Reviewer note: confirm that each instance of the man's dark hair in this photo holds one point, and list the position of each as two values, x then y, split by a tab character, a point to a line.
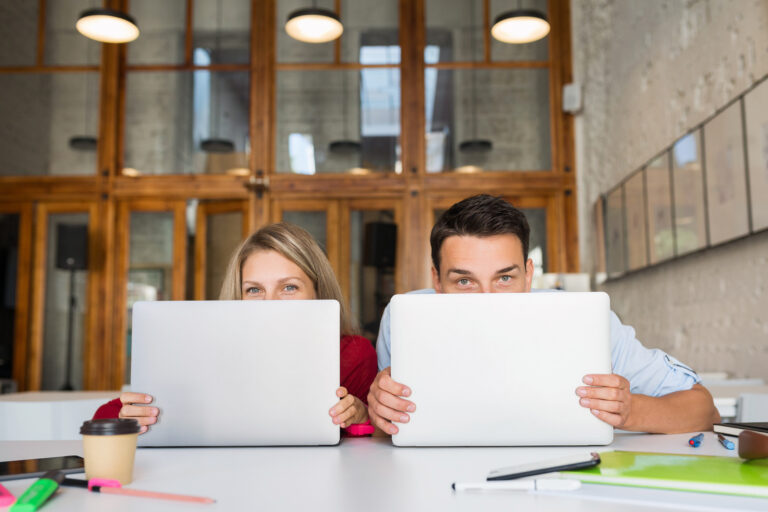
481	215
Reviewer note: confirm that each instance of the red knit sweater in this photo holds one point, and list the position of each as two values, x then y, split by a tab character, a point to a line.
358	369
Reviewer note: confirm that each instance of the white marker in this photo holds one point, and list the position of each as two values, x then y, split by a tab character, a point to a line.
541	484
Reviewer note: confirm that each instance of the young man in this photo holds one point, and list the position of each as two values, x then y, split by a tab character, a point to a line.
480	245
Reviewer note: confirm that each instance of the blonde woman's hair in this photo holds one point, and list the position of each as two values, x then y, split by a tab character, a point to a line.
295	244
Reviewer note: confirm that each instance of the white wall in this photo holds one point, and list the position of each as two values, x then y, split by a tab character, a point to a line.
651	70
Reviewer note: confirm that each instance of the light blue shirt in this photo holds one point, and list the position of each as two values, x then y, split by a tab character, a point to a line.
650	372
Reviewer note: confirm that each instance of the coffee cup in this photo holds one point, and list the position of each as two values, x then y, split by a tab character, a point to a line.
109	447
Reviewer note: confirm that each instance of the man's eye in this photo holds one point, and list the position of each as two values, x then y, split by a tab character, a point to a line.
505	279
463	281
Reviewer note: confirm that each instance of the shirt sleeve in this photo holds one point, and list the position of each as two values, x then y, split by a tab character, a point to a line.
110	409
650	372
383	350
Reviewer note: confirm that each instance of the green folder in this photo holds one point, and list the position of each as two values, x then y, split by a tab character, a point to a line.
699	473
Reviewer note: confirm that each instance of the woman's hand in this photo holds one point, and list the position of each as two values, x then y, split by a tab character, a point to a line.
144	415
349	410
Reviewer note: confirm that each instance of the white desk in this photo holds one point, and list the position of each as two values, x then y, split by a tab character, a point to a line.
366	475
48	415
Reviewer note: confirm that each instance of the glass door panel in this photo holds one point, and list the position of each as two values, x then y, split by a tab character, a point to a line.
66	301
373	248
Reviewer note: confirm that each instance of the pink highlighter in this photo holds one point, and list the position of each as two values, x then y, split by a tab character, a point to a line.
6	498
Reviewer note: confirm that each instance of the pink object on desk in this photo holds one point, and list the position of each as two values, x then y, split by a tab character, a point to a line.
360	429
102	482
6	498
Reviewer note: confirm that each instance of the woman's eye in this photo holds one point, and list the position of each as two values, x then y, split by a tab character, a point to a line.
252	290
291	287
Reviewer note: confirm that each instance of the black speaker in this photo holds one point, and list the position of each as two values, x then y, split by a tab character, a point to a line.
72	246
380	244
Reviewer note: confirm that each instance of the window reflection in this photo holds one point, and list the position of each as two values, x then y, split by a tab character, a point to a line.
222	29
690	224
487	119
45	117
187	122
338	121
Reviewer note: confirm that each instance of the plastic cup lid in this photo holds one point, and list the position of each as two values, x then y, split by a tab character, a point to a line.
110	427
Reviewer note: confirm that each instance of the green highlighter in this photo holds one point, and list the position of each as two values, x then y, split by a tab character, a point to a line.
37	493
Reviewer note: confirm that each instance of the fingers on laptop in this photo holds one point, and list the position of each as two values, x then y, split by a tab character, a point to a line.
606	380
386	383
135	398
144	415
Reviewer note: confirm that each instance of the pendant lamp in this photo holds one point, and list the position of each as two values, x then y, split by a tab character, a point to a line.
217	144
107	26
345	145
520	26
314	25
474	144
85	142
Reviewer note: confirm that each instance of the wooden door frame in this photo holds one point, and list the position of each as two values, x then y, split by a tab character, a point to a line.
204	209
35	346
122	245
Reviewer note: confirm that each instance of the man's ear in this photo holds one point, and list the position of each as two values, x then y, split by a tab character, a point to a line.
528	274
436	280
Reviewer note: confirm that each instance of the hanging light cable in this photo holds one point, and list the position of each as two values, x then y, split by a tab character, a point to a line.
107	26
520	26
314	25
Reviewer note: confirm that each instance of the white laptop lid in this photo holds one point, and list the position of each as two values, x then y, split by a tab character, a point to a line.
499	369
238	373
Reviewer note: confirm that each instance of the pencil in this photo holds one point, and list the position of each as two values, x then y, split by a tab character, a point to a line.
150	494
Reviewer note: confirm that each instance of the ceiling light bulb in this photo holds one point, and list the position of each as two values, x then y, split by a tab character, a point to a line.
314	25
520	26
107	26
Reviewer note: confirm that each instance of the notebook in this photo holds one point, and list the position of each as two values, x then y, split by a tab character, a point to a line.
700	473
238	373
499	369
734	429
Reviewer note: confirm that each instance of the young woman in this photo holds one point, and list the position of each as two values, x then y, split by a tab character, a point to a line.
283	262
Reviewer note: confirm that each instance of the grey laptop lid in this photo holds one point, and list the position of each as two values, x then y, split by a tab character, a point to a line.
238	373
499	369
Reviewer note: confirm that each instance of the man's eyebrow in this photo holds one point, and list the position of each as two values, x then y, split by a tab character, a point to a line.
508	269
459	271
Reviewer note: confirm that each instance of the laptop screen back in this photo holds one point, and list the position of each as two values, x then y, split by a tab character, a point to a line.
238	373
499	369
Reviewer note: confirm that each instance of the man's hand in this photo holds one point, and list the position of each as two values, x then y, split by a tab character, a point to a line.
384	404
349	410
608	397
144	415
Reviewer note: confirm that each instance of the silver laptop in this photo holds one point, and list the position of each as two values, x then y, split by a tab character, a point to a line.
499	369
238	373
